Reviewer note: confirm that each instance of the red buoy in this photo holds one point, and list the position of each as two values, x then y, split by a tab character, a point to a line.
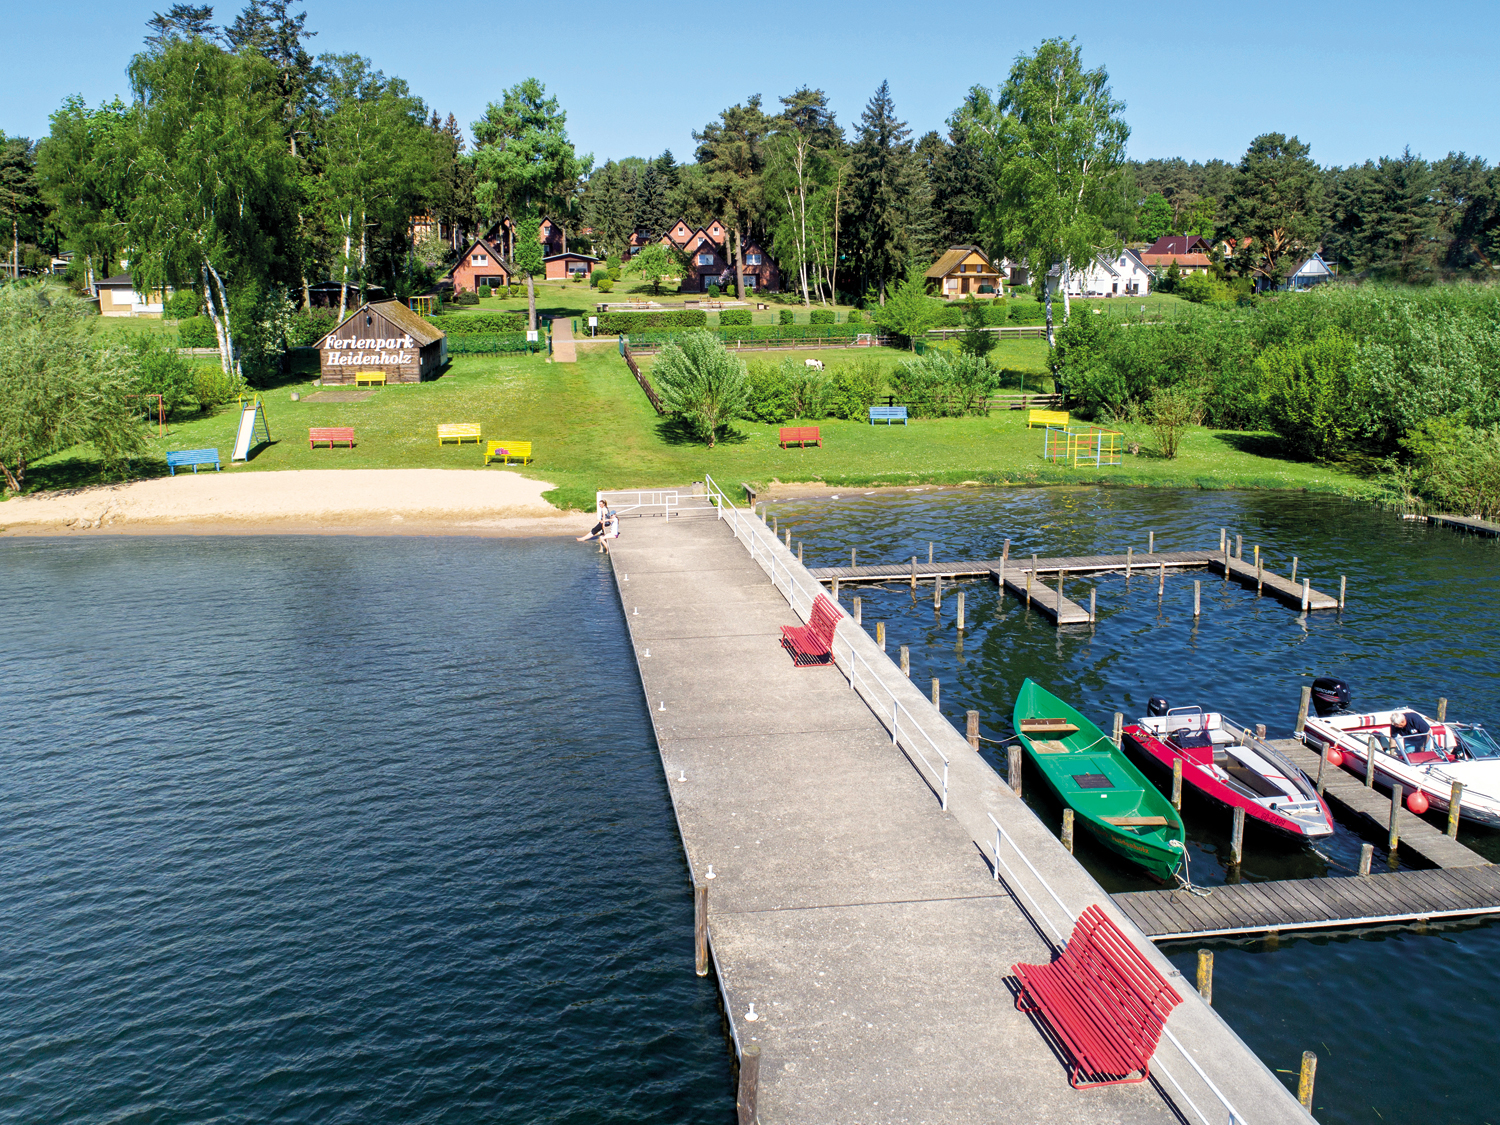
1417	802
1335	757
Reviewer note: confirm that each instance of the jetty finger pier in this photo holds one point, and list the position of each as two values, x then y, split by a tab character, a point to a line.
863	879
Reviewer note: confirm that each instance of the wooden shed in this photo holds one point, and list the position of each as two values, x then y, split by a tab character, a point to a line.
383	336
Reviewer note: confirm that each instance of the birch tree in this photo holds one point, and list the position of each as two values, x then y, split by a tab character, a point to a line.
1054	143
800	163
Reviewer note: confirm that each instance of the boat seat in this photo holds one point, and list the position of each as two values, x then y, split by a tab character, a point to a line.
1253	781
1421	757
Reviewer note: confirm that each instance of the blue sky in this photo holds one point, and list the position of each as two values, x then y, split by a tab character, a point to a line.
1355	80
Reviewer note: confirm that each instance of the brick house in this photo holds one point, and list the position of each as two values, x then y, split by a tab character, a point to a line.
480	264
1189	251
710	257
569	264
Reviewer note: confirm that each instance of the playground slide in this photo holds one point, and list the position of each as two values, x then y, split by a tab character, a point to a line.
247	433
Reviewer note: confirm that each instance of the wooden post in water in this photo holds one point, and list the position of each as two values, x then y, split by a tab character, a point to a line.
1004	556
1455	801
1370	763
1028	589
1366	853
749	1092
1322	762
914	575
852	552
1226	561
1306	593
1093	605
1442	711
835	588
700	927
937	592
1259	572
936	691
1067	830
880	634
1161	579
1305	1080
929	551
1150	542
1302	706
1206	975
971	729
855	600
1177	784
1343	588
799	550
1237	837
1223	536
1396	795
1260	730
960	611
1294	568
906	661
1239	547
1119	731
788	539
1129	552
1014	774
775	526
1197	600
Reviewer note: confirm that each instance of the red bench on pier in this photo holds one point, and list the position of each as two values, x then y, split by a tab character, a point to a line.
800	435
1103	1000
811	645
330	434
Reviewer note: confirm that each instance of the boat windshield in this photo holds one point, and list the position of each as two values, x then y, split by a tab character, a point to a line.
1477	741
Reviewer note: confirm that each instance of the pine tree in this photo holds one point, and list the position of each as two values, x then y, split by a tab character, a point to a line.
881	187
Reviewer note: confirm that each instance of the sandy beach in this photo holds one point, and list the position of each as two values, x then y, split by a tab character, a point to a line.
320	501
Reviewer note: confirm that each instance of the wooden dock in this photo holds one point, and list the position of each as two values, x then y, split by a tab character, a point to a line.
1314	904
1471	524
1372	809
982	568
1278	587
1042	597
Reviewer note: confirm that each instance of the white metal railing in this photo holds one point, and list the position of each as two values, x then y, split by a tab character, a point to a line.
643	499
752	531
1012	881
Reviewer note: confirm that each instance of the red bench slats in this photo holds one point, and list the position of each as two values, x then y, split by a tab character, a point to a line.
1103	1000
800	435
330	434
811	645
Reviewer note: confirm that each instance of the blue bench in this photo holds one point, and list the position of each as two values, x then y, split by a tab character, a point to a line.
182	458
887	414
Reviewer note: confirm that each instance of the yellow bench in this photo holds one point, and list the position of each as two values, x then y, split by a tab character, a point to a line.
1046	418
496	450
459	432
369	378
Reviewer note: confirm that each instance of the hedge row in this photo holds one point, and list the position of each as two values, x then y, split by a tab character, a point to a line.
491	343
841	333
617	323
735	318
476	324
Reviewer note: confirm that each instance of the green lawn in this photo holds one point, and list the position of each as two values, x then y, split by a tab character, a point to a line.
591	428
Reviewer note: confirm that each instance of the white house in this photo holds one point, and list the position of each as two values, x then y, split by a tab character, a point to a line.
1309	273
119	297
1123	275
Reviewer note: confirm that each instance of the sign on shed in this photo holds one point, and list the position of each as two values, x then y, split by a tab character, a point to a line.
383	336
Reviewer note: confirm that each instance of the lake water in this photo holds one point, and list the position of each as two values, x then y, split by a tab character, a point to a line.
1402	1020
337	830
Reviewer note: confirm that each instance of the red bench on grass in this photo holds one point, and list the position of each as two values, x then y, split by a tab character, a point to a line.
800	435
811	645
1103	1000
330	434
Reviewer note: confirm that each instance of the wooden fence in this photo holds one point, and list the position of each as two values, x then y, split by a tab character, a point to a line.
640	376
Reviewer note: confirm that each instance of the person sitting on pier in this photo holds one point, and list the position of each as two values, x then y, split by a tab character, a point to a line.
1412	729
605	514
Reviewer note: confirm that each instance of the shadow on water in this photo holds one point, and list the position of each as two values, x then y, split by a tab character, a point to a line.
1423	621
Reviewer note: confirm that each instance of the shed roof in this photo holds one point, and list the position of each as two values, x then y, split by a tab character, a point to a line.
953	256
572	254
1197	260
1179	244
399	315
119	280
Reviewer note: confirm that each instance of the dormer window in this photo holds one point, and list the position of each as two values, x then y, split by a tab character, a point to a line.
705	259
752	259
480	259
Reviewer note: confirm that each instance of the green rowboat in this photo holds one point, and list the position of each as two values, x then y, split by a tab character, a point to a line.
1093	777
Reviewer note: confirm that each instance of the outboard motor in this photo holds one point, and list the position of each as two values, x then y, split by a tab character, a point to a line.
1156	705
1329	696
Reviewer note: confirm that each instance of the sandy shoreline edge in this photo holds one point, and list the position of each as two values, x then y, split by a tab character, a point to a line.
472	502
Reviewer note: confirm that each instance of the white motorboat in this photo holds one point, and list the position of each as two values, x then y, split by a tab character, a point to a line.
1426	761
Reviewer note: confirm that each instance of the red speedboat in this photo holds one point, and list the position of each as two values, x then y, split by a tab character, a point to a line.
1230	766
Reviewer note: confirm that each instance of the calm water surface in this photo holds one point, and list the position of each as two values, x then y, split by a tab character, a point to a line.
337	830
1403	1020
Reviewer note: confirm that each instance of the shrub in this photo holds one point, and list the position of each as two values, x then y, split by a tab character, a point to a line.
702	383
490	343
713	289
212	387
825	316
1313	395
596	275
606	283
1169	412
769	397
181	305
157	369
854	317
308	326
1026	312
616	323
852	389
732	318
483	292
578	279
941	384
469	324
786	316
197	332
466	297
1455	467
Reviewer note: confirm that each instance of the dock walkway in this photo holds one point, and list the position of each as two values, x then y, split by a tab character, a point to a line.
1466	523
984	568
855	918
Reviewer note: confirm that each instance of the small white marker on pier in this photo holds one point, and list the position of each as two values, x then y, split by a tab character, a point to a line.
663	706
636	612
750	1016
681	775
646	655
710	874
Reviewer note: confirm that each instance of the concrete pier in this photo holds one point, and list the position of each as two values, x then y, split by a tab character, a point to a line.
859	919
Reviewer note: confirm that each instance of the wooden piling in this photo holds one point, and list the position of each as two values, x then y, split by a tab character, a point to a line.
1260	730
1206	975
799	550
1119	731
1223	537
914	575
852	555
1396	794
929	551
1366	853
1455	802
1129	553
1014	774
1197	599
906	661
1004	556
971	729
855	600
1161	579
960	611
1177	784
1239	547
1150	542
788	539
1093	605
776	526
1067	830
936	691
1442	711
937	593
1343	588
700	927
1294	570
1028	589
1370	762
880	634
1306	594
1322	764
1260	574
1226	563
1305	1080
835	589
749	1092
1302	706
1237	837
